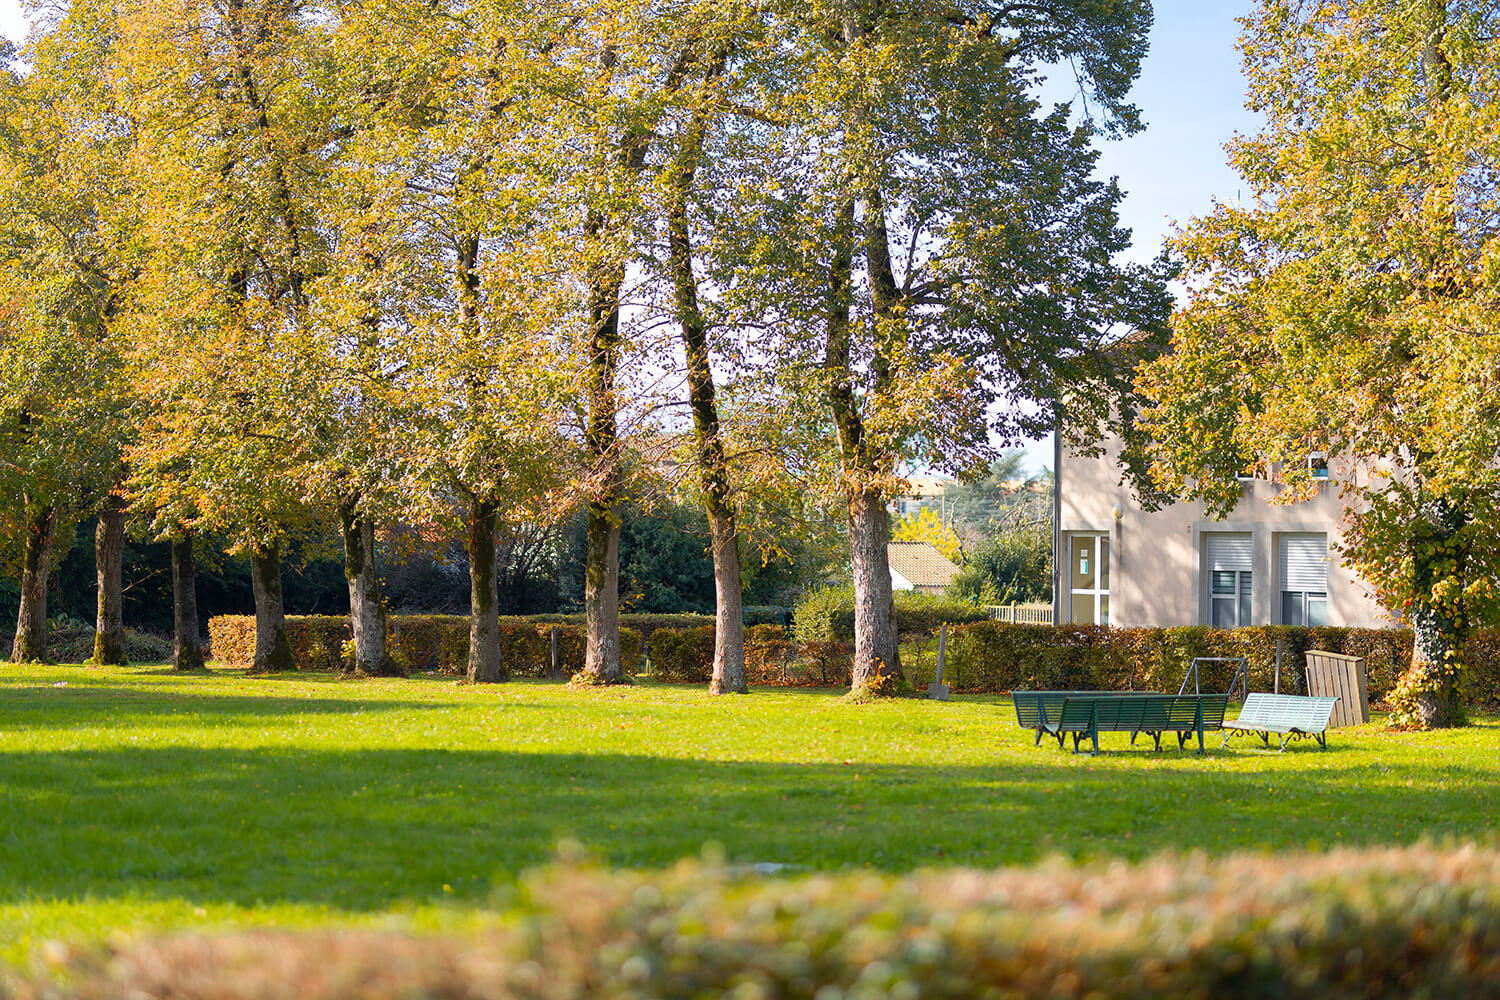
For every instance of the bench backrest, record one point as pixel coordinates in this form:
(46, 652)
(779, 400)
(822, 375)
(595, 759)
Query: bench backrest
(1309, 715)
(1034, 706)
(1142, 713)
(1336, 675)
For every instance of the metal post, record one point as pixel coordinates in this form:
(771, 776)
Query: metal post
(1280, 648)
(556, 666)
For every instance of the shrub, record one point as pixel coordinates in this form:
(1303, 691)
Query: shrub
(827, 615)
(683, 655)
(1381, 924)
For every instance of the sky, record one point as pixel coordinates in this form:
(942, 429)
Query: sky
(1192, 97)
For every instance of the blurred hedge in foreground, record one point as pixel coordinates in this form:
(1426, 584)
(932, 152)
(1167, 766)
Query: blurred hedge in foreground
(1412, 922)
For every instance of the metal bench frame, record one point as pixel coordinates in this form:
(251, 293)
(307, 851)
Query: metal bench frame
(1289, 716)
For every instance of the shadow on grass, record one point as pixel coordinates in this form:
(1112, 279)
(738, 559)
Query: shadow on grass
(365, 830)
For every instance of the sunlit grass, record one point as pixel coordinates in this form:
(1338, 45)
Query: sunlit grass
(135, 799)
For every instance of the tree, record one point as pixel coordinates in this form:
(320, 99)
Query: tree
(64, 278)
(924, 240)
(266, 279)
(468, 180)
(1350, 309)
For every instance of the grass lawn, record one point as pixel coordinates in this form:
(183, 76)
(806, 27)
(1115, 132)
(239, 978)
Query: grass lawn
(136, 800)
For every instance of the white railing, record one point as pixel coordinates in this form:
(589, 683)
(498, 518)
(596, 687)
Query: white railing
(1021, 614)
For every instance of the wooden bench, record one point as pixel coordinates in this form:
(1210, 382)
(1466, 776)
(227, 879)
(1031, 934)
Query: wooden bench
(1029, 704)
(1287, 715)
(1087, 714)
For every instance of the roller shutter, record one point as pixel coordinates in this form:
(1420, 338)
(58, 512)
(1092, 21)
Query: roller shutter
(1304, 563)
(1230, 552)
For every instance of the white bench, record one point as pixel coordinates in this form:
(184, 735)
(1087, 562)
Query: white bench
(1286, 715)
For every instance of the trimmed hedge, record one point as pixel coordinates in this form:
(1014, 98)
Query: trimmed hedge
(993, 658)
(982, 657)
(418, 642)
(1373, 924)
(827, 615)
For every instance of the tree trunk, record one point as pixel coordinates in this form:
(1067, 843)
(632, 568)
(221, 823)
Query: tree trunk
(485, 666)
(30, 644)
(187, 652)
(109, 555)
(601, 596)
(601, 593)
(366, 606)
(875, 651)
(729, 618)
(273, 653)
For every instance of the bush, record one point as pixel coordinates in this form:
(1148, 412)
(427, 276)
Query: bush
(827, 615)
(1376, 924)
(683, 655)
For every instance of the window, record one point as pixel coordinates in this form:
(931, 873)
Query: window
(1231, 598)
(1088, 579)
(1317, 465)
(1229, 559)
(1303, 566)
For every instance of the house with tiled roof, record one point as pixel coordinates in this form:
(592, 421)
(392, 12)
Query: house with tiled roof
(919, 566)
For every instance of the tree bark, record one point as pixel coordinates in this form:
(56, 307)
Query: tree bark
(876, 656)
(366, 604)
(729, 617)
(601, 595)
(109, 557)
(485, 666)
(187, 651)
(273, 653)
(30, 645)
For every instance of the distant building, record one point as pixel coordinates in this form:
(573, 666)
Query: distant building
(920, 567)
(925, 491)
(1265, 564)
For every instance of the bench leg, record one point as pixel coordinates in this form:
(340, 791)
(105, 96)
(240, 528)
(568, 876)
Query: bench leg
(1200, 740)
(1322, 740)
(1039, 731)
(1094, 733)
(1157, 735)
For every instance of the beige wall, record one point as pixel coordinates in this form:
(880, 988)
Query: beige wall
(1158, 575)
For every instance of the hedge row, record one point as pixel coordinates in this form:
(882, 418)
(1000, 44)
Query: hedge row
(991, 657)
(419, 642)
(1373, 924)
(982, 657)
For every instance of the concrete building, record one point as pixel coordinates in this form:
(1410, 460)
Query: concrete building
(1265, 564)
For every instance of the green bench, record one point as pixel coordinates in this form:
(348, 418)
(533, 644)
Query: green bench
(1287, 715)
(1031, 704)
(1087, 714)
